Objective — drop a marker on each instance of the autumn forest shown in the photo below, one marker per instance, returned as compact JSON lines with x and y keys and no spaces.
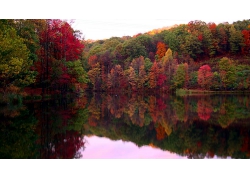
{"x":49,"y":57}
{"x":182,"y":89}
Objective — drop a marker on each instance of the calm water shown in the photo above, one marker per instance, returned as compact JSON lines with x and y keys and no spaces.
{"x":122,"y":126}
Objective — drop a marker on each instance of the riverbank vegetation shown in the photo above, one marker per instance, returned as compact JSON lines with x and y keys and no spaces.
{"x":39,"y":57}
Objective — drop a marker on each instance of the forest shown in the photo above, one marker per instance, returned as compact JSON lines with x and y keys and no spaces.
{"x":44,"y":56}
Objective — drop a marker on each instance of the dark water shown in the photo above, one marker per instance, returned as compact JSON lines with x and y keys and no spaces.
{"x":127,"y":126}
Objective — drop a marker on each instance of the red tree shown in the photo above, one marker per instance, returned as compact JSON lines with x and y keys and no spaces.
{"x":59,"y":43}
{"x":246,"y":35}
{"x":205,"y":76}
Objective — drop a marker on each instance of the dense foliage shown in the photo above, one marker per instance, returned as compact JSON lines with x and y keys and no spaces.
{"x":194,"y":55}
{"x":42,"y":54}
{"x":50,"y":57}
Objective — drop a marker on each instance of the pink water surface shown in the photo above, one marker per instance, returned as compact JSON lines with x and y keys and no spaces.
{"x":104,"y":148}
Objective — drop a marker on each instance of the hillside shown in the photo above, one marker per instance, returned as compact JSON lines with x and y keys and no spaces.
{"x":194,"y":55}
{"x":48,"y":56}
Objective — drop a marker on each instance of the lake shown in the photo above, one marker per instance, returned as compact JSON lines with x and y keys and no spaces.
{"x":134,"y":126}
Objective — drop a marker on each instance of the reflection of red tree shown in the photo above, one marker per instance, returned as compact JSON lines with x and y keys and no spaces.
{"x":245,"y":147}
{"x":66,"y":145}
{"x":210,"y":154}
{"x":204,"y":109}
{"x":245,"y":144}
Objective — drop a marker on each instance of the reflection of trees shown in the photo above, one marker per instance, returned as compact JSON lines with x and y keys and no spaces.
{"x":18,"y":136}
{"x":116,"y":105}
{"x":12,"y":110}
{"x":204,"y":109}
{"x":59,"y":128}
{"x":226,"y":114}
{"x":65,"y":146}
{"x":94,"y":109}
{"x":136,"y":109}
{"x":174,"y":124}
{"x":160,"y":132}
{"x":180,"y":107}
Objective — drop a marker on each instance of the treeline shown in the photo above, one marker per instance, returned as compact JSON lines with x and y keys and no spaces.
{"x":194,"y":55}
{"x":48,"y":56}
{"x":42,"y":54}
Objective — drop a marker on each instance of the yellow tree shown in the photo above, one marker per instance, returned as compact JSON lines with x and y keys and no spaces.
{"x":94,"y":76}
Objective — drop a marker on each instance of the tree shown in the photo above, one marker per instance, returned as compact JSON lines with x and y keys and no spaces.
{"x":153,"y":74}
{"x":205,"y":76}
{"x":236,"y":40}
{"x":227,"y":73}
{"x":140,"y":74}
{"x":223,"y":36}
{"x":14,"y":58}
{"x":148,"y":64}
{"x":246,"y":36}
{"x":192,"y":46}
{"x":161,"y":49}
{"x":78,"y":74}
{"x":94,"y":76}
{"x":26,"y":29}
{"x":116,"y":78}
{"x":59,"y":42}
{"x":168,"y":63}
{"x":181,"y":76}
{"x":93,"y":60}
{"x":133,"y":49}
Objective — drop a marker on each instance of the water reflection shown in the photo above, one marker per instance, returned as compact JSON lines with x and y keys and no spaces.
{"x":122,"y":150}
{"x":50,"y":129}
{"x":202,"y":126}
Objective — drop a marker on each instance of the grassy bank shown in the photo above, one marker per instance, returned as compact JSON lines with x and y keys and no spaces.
{"x":190,"y":92}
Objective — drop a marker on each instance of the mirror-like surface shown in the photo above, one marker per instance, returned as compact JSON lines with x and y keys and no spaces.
{"x":118,"y":149}
{"x":128,"y":126}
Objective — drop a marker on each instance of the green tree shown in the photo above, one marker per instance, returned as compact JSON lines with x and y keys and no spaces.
{"x":26,"y":29}
{"x":180,"y":76}
{"x":133,"y":49}
{"x":236,"y":40}
{"x":14,"y":58}
{"x":227,"y":73}
{"x":148,"y":64}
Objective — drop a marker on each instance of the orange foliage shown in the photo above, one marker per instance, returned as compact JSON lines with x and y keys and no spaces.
{"x":212,"y":27}
{"x":92,"y":60}
{"x":160,"y":132}
{"x":161,"y":49}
